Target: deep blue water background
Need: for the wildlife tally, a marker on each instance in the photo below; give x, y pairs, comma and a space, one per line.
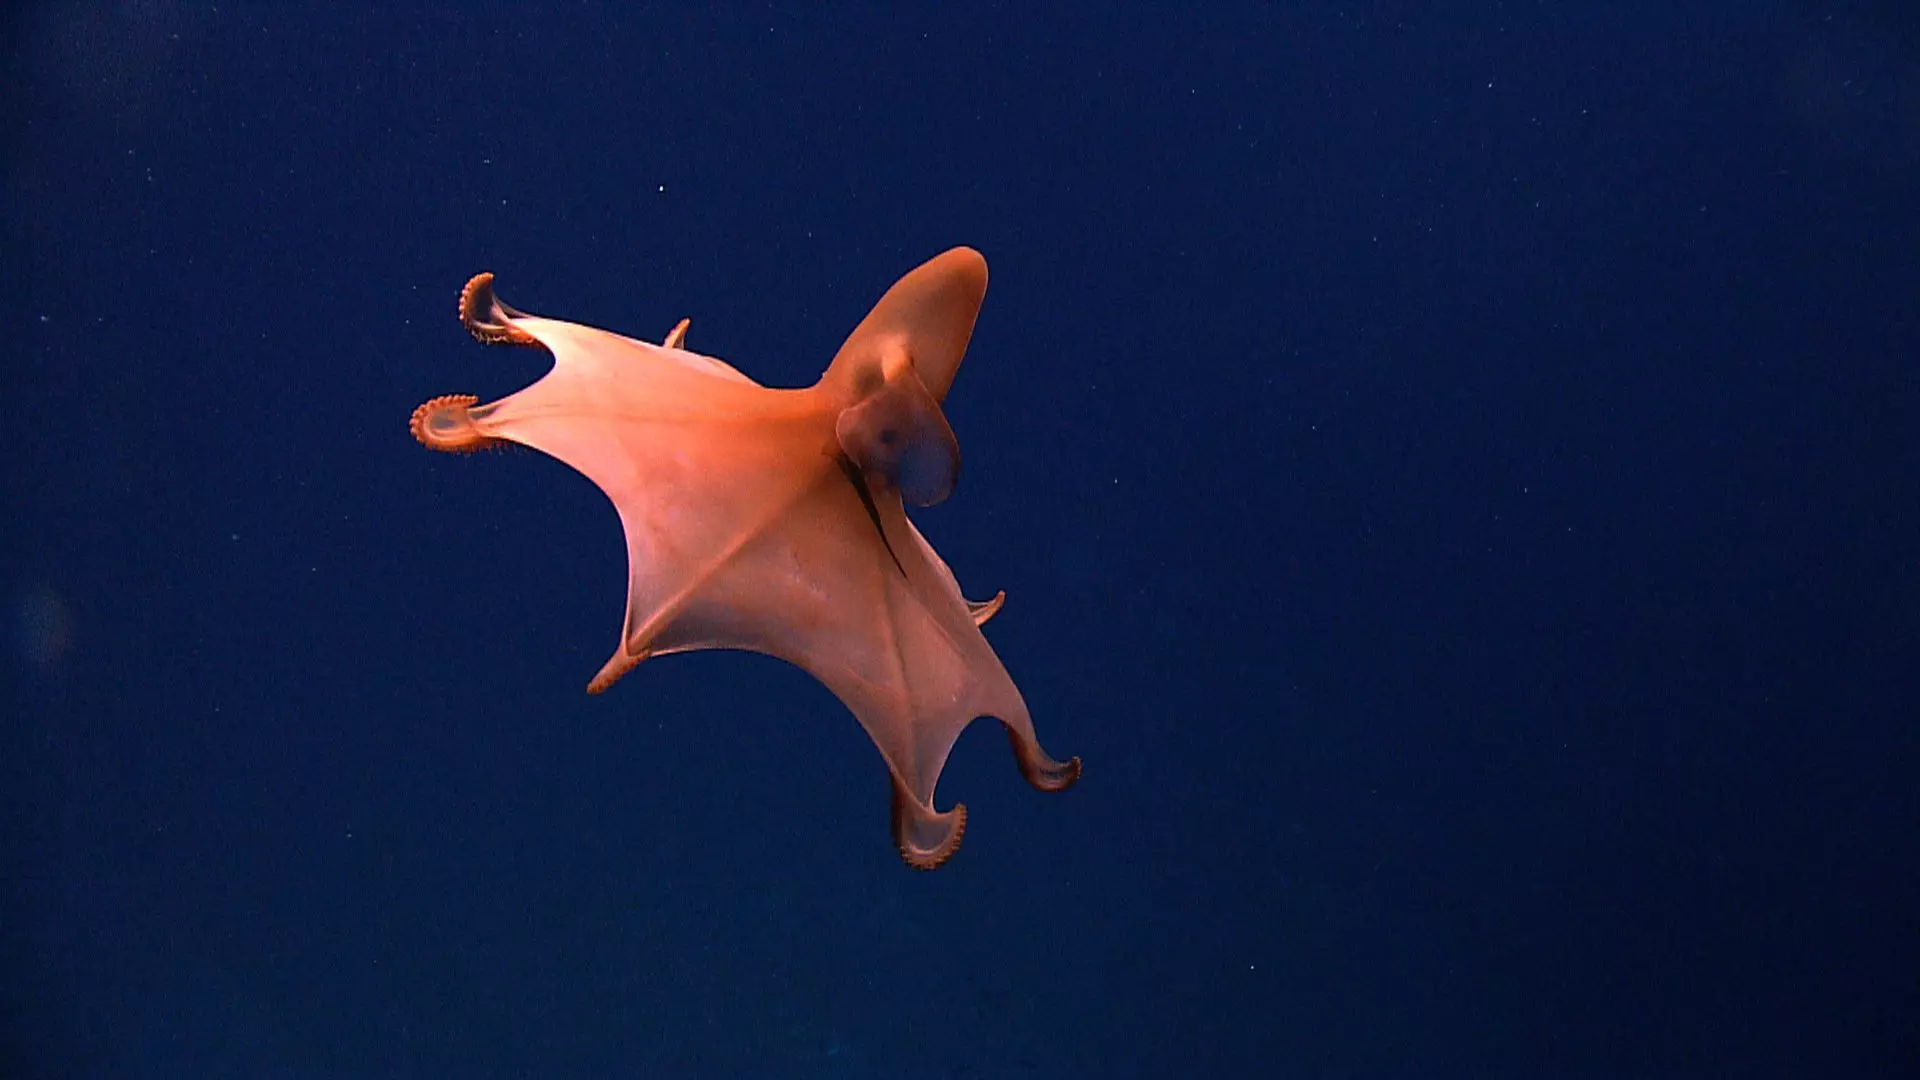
1453, 467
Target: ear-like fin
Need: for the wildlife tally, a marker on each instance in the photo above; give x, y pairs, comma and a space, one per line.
930, 313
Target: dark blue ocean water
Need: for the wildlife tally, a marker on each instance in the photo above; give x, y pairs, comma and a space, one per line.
1453, 467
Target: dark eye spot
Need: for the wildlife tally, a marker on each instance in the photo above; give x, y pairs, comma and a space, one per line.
888, 436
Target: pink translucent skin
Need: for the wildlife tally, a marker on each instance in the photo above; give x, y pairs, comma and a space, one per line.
772, 520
